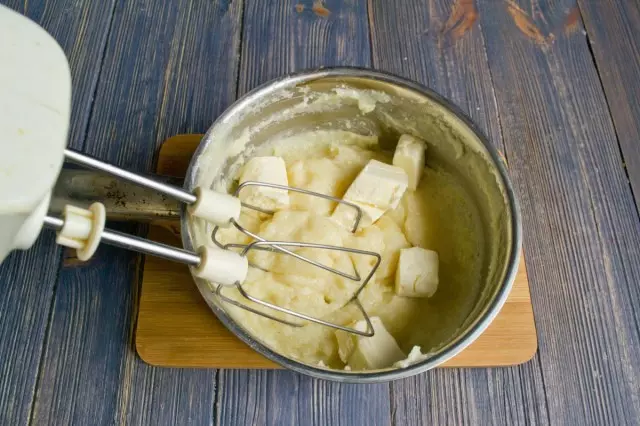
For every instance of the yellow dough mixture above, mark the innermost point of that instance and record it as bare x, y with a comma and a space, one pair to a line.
438, 215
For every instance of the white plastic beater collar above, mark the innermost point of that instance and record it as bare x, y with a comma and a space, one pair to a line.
215, 207
82, 229
221, 266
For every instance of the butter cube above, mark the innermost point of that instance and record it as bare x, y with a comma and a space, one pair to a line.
347, 341
377, 188
269, 170
417, 273
410, 156
414, 357
368, 353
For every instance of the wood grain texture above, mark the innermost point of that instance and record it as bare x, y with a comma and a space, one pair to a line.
440, 44
176, 327
277, 39
260, 397
27, 279
613, 28
87, 341
163, 396
169, 67
580, 222
471, 396
26, 285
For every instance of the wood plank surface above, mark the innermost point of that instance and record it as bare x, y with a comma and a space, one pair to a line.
289, 36
169, 67
613, 28
176, 328
262, 397
27, 283
580, 223
443, 47
28, 279
278, 38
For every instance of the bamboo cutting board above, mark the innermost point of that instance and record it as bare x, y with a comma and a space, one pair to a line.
175, 327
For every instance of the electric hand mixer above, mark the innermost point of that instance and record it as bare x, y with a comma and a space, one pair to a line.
35, 104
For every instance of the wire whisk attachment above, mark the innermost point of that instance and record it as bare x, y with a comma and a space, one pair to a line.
286, 248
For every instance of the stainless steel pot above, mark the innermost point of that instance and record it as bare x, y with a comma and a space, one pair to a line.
324, 99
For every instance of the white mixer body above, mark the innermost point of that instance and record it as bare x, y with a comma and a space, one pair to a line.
35, 108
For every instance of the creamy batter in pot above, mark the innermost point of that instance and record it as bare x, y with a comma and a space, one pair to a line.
326, 130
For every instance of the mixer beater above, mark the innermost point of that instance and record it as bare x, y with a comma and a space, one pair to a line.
35, 100
218, 264
260, 243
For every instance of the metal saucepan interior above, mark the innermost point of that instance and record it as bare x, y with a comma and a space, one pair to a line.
370, 103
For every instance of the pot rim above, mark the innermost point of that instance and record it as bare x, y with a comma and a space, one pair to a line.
473, 332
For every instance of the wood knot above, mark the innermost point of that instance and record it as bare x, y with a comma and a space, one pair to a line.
526, 25
319, 9
463, 15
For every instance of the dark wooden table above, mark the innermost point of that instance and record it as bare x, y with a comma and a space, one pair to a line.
556, 86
